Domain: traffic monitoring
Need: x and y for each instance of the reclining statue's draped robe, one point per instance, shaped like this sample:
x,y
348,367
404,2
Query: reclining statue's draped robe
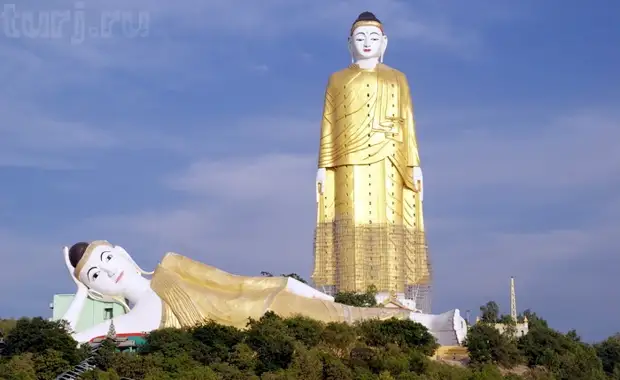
x,y
370,227
193,293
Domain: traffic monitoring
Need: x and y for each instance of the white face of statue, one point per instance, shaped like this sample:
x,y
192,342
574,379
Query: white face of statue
x,y
367,42
110,271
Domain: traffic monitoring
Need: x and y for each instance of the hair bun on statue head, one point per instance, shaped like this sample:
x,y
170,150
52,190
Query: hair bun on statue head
x,y
76,252
366,18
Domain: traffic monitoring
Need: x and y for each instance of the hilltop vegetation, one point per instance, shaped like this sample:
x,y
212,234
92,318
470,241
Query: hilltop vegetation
x,y
299,348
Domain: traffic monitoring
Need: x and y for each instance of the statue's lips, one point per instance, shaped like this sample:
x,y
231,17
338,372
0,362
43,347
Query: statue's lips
x,y
119,277
367,50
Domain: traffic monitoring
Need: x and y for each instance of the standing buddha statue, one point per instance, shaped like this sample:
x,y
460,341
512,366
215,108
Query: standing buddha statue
x,y
370,226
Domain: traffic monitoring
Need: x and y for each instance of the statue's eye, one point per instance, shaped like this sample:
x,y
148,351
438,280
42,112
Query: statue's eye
x,y
95,276
108,258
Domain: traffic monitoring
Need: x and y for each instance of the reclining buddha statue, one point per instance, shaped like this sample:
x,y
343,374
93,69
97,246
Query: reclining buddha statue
x,y
182,292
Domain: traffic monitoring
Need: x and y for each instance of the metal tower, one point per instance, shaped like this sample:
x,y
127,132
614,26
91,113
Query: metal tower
x,y
513,300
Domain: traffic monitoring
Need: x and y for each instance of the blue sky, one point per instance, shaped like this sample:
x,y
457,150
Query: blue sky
x,y
200,136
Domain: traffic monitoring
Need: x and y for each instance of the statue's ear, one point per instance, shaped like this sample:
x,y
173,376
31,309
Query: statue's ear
x,y
384,47
95,295
350,47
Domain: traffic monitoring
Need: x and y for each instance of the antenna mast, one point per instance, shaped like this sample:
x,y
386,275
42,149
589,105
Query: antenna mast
x,y
513,300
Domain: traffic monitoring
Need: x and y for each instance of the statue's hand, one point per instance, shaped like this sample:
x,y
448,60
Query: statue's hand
x,y
418,181
81,287
320,183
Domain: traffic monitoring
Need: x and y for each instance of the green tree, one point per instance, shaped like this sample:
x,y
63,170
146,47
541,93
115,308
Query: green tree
x,y
137,366
6,325
305,330
244,358
609,353
334,368
566,357
534,320
170,342
404,333
487,372
100,375
539,373
339,338
489,312
106,354
50,364
37,335
363,360
215,342
487,345
572,335
269,337
227,371
202,373
19,367
439,371
301,348
366,299
306,364
506,319
391,360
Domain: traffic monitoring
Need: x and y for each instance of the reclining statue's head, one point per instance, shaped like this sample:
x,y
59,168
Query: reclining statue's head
x,y
108,271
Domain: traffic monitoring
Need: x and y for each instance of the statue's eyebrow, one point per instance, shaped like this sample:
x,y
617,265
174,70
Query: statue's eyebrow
x,y
101,256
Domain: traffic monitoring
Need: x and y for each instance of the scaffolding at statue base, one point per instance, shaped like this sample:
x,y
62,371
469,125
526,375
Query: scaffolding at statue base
x,y
393,258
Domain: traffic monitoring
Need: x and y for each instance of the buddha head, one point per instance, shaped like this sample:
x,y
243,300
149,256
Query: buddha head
x,y
367,39
108,271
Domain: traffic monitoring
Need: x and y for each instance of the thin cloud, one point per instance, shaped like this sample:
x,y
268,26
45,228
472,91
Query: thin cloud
x,y
272,177
571,151
37,70
272,18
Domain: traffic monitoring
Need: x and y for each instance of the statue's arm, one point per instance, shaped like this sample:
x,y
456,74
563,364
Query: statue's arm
x,y
326,147
99,330
141,319
413,153
72,315
74,311
413,156
327,126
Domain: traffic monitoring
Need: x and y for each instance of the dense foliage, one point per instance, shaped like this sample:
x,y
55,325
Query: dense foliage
x,y
366,299
552,354
300,348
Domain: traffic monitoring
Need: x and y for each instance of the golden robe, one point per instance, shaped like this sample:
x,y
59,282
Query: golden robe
x,y
370,226
193,293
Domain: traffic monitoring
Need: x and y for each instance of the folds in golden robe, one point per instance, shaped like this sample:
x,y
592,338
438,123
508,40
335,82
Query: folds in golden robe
x,y
370,226
193,293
